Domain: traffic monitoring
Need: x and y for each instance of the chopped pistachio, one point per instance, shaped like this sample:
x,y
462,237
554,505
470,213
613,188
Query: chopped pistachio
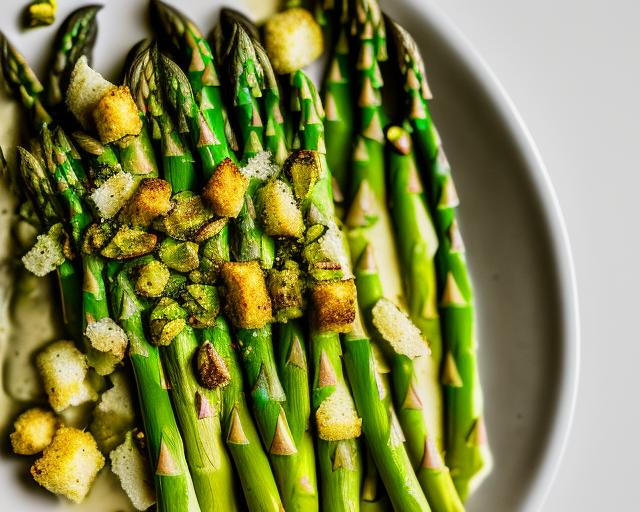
x,y
180,256
166,321
97,235
40,13
129,243
212,370
303,169
187,217
175,286
203,305
285,289
152,279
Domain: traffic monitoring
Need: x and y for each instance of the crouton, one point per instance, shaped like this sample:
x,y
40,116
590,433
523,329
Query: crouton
x,y
224,192
303,169
180,256
69,465
132,469
86,89
114,415
107,336
337,418
188,215
334,305
33,431
63,369
152,279
293,39
113,194
279,211
151,199
47,253
260,167
129,243
248,304
398,330
116,116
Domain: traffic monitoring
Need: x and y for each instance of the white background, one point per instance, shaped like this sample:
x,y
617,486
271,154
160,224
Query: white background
x,y
572,68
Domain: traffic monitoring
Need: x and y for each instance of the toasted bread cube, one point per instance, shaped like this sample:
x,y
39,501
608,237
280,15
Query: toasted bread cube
x,y
33,431
86,89
113,194
293,39
337,418
151,199
398,330
280,213
63,369
116,116
248,304
47,253
224,192
334,305
107,336
114,415
132,469
69,465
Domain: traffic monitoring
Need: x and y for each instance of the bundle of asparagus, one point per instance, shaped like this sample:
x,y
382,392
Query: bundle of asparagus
x,y
194,222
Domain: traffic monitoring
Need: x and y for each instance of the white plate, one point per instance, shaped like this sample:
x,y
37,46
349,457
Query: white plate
x,y
515,237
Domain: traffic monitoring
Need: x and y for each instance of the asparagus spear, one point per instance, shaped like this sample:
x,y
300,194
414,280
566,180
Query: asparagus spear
x,y
340,458
174,487
195,54
194,404
338,100
286,434
75,38
243,440
50,212
467,451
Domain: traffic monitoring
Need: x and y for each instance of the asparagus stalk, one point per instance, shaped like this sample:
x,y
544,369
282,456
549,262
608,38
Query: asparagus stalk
x,y
340,460
243,440
367,175
286,435
75,38
194,405
382,432
194,52
467,451
50,212
338,99
24,84
174,487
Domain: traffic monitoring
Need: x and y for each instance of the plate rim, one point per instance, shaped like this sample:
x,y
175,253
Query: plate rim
x,y
555,227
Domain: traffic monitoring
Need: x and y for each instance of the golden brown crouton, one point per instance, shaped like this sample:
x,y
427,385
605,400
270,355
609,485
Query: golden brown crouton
x,y
151,199
33,431
247,301
279,210
224,192
69,465
63,369
337,418
116,116
334,305
292,39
